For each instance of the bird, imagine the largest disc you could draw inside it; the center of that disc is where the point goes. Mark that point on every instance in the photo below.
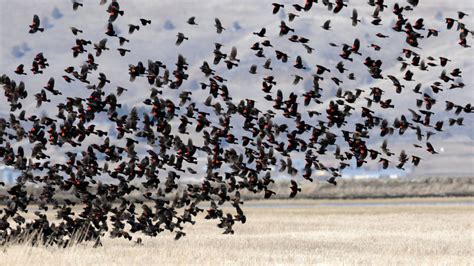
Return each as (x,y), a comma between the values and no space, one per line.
(20,69)
(132,28)
(101,46)
(114,11)
(75,30)
(122,51)
(461,14)
(327,25)
(192,21)
(294,189)
(181,38)
(218,25)
(354,17)
(292,16)
(277,7)
(284,29)
(332,180)
(76,5)
(261,33)
(253,69)
(110,30)
(120,90)
(35,25)
(299,63)
(145,21)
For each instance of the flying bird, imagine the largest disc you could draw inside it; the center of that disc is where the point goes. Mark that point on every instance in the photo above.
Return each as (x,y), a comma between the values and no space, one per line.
(35,25)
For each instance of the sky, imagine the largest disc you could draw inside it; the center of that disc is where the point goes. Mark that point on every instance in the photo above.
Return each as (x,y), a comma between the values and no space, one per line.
(241,18)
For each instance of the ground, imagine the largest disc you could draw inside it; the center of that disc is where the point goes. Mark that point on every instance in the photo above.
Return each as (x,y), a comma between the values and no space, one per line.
(365,232)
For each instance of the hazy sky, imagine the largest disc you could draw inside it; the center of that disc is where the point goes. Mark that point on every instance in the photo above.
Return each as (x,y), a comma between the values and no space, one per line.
(241,18)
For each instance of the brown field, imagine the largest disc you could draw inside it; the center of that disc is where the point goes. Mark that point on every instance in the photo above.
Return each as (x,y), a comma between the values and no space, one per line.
(430,231)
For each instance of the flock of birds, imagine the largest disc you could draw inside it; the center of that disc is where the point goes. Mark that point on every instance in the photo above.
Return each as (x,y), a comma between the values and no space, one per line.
(237,156)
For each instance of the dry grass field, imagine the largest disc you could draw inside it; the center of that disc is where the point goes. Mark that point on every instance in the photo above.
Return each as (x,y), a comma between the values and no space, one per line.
(434,231)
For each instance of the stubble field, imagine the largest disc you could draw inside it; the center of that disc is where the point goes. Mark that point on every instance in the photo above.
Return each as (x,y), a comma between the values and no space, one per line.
(430,231)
